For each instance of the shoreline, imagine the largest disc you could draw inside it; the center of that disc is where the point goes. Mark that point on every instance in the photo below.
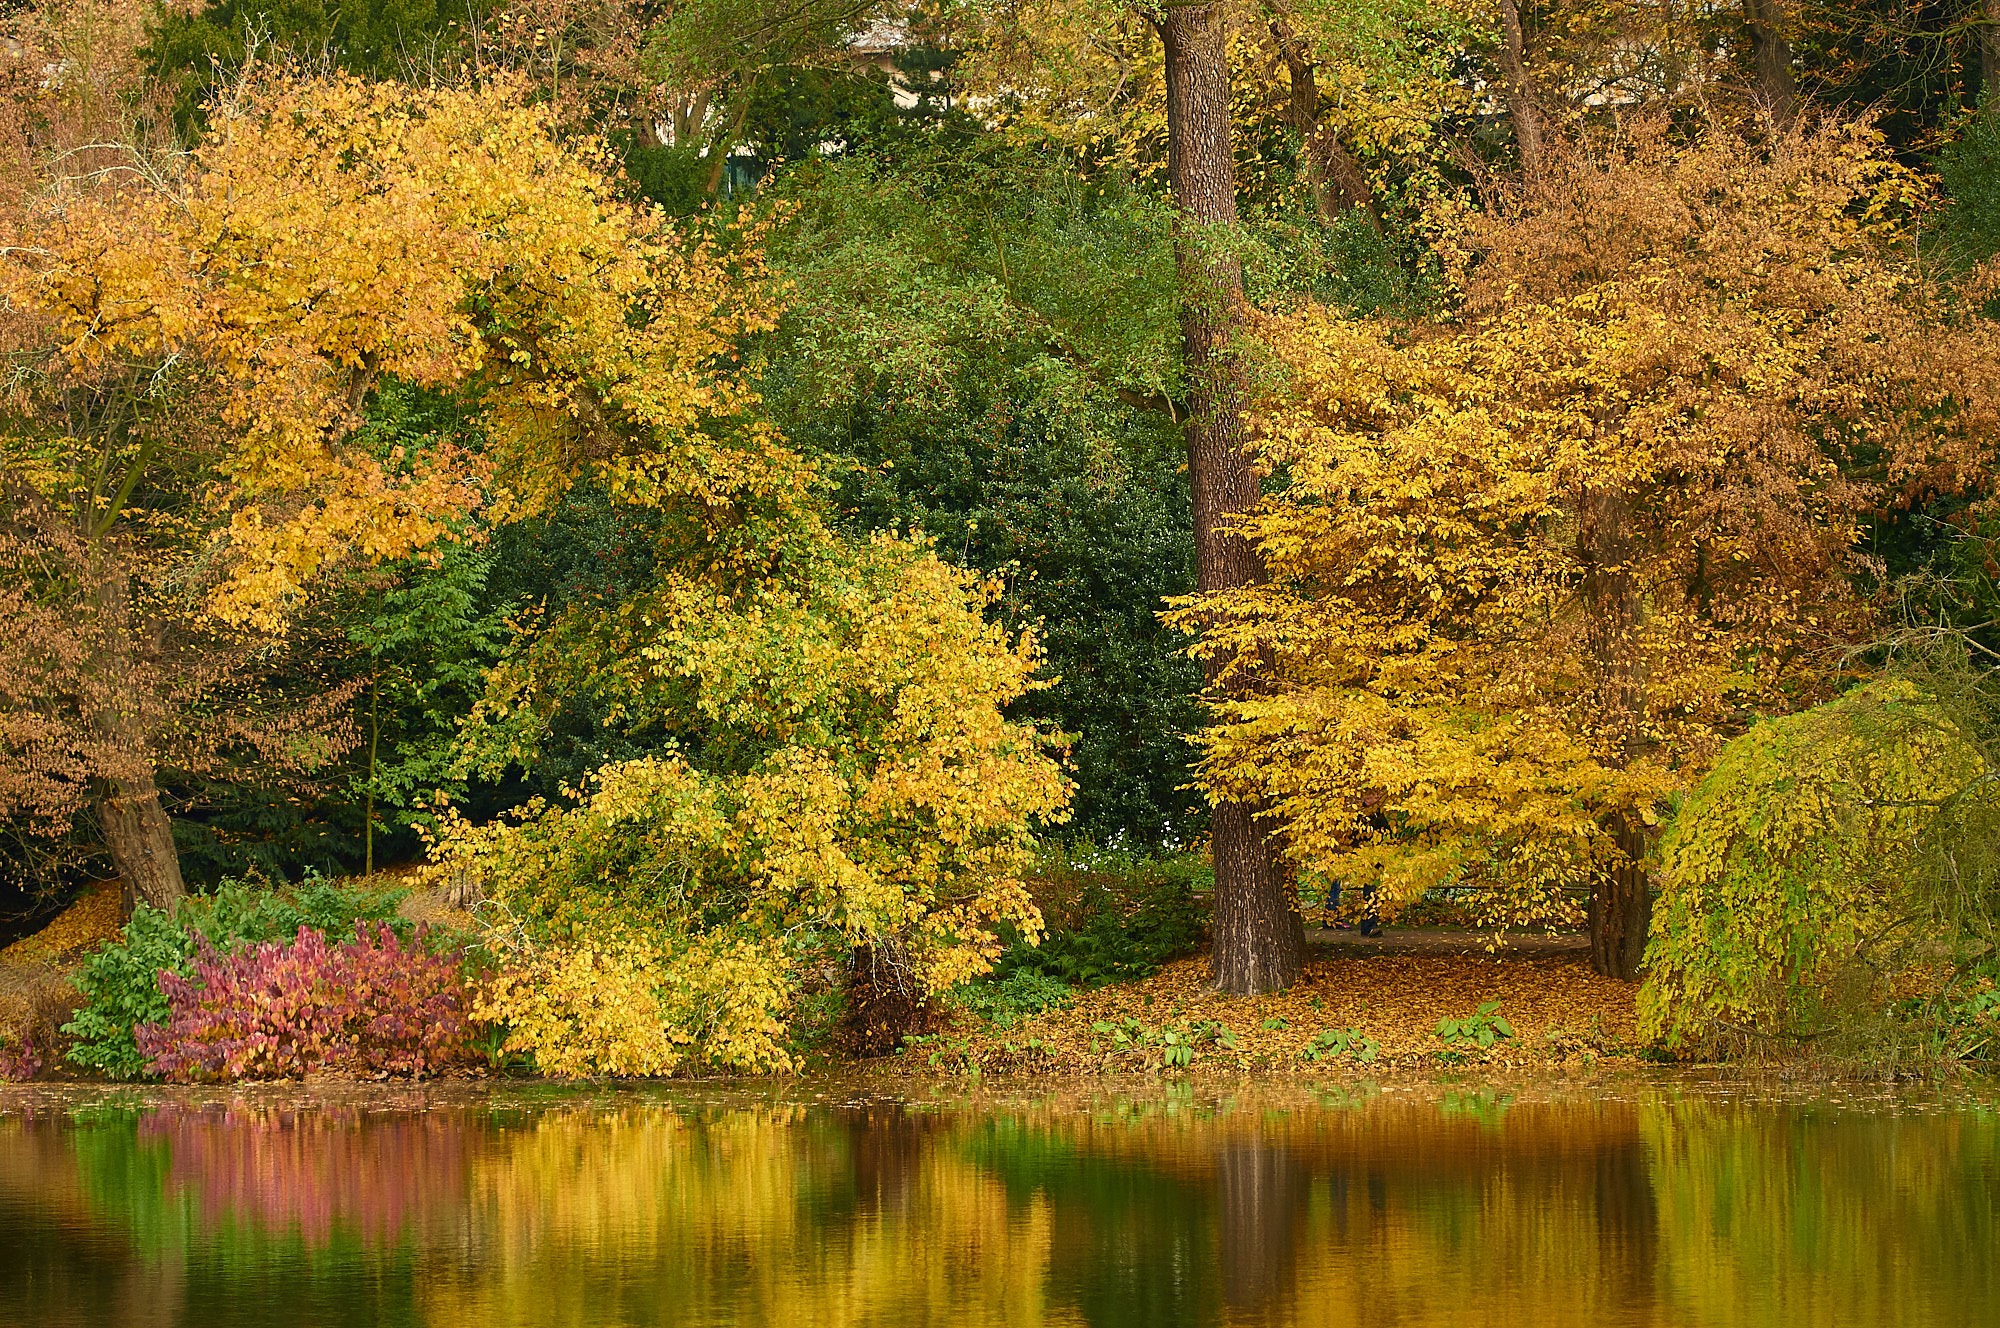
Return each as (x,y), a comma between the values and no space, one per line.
(889,1086)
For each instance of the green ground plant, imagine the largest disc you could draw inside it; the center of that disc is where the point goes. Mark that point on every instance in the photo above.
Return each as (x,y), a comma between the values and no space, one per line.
(1331,1044)
(1479,1030)
(1166,1047)
(1003,1002)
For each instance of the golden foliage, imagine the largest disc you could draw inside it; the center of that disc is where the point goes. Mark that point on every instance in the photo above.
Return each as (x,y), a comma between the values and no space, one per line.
(1090,75)
(1530,568)
(581,1011)
(1559,1010)
(447,238)
(851,781)
(84,925)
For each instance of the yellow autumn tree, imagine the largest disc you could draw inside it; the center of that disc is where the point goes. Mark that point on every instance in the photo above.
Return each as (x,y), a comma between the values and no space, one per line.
(198,338)
(841,797)
(1529,567)
(193,339)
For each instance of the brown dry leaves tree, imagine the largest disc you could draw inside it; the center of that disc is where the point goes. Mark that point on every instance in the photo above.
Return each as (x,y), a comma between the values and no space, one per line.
(1531,566)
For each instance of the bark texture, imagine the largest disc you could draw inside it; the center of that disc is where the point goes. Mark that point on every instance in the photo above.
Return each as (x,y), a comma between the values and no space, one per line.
(1523,106)
(1620,905)
(1621,908)
(1259,937)
(137,831)
(1771,56)
(140,838)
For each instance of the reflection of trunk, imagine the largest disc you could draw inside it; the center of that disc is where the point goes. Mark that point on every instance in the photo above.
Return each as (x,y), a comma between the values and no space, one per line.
(136,829)
(1259,937)
(1522,104)
(1619,905)
(1332,173)
(1628,1221)
(1772,55)
(1261,1193)
(886,1146)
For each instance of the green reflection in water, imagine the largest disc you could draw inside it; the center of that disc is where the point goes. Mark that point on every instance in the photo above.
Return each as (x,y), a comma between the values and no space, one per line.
(1650,1205)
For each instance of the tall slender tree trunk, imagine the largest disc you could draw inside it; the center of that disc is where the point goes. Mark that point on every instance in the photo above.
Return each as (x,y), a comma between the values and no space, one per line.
(1771,55)
(1620,905)
(1523,106)
(368,803)
(1259,936)
(1989,56)
(725,139)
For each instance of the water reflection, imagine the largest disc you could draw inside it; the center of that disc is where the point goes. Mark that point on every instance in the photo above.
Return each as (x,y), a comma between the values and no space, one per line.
(1648,1206)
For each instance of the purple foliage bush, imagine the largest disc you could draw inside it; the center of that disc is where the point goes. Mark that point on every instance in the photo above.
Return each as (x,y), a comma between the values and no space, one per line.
(275,1011)
(22,1063)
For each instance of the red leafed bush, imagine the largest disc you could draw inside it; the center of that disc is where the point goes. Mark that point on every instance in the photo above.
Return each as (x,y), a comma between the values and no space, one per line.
(278,1011)
(22,1063)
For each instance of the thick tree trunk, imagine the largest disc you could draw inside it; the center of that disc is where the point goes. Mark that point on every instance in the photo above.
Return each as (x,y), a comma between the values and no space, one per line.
(1259,936)
(1620,907)
(1989,57)
(1523,106)
(140,837)
(137,831)
(1334,176)
(1771,54)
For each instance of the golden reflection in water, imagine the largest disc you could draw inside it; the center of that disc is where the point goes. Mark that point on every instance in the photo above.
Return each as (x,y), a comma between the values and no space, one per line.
(1646,1206)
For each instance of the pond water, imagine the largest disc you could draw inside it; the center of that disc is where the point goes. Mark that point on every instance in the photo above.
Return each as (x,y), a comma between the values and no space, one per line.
(1649,1202)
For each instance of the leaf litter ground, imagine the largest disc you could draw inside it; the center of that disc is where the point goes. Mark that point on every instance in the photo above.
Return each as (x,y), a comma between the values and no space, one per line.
(1560,1012)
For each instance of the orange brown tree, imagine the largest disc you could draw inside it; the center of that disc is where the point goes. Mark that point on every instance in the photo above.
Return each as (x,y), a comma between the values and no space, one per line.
(1531,566)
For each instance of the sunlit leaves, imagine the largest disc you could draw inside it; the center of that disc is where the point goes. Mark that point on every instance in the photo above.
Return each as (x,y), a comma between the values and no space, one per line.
(447,239)
(1531,567)
(844,776)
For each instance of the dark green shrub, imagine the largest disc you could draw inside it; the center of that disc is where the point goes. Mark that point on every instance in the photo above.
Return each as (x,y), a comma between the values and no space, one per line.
(121,983)
(1113,917)
(1970,171)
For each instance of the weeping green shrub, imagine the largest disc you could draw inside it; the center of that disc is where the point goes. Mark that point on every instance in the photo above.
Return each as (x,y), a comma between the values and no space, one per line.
(1801,878)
